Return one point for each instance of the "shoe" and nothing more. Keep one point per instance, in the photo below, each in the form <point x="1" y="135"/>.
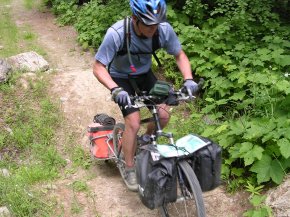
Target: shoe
<point x="130" y="179"/>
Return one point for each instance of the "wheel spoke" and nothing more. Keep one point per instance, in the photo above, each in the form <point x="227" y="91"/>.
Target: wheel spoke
<point x="189" y="202"/>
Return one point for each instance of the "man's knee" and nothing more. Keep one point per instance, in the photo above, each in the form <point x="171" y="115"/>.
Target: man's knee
<point x="132" y="122"/>
<point x="164" y="117"/>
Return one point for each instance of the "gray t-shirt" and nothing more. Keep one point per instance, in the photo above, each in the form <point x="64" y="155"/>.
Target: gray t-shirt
<point x="114" y="40"/>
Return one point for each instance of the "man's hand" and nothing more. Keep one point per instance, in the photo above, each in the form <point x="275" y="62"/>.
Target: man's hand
<point x="121" y="97"/>
<point x="190" y="86"/>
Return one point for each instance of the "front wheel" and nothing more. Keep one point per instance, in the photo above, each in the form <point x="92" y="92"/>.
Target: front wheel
<point x="189" y="195"/>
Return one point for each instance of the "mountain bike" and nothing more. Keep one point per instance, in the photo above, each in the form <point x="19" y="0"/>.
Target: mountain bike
<point x="189" y="200"/>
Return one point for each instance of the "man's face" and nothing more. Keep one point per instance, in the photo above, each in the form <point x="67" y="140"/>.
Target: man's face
<point x="147" y="31"/>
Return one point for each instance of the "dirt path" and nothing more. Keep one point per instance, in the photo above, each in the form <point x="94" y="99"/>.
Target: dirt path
<point x="82" y="97"/>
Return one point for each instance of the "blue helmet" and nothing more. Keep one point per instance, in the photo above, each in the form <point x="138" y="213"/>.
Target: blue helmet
<point x="149" y="12"/>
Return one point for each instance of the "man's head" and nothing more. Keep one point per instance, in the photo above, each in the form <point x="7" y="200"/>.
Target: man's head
<point x="149" y="12"/>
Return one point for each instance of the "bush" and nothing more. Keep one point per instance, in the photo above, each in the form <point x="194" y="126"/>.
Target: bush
<point x="95" y="18"/>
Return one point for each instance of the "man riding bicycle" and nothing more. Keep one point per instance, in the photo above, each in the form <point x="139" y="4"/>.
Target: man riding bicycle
<point x="124" y="74"/>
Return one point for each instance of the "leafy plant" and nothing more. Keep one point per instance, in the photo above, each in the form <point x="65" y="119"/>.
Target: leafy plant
<point x="254" y="190"/>
<point x="67" y="11"/>
<point x="95" y="18"/>
<point x="260" y="209"/>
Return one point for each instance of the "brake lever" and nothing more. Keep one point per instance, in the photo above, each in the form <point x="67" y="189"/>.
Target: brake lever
<point x="182" y="96"/>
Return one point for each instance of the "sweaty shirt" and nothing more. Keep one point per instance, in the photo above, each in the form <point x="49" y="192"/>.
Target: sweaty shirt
<point x="114" y="40"/>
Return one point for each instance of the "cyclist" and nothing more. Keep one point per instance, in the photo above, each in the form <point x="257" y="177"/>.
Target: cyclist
<point x="113" y="69"/>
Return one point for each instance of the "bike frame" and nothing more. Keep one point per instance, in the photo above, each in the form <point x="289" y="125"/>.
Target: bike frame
<point x="189" y="189"/>
<point x="158" y="130"/>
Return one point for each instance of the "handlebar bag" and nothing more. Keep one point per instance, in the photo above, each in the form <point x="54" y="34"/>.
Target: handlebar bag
<point x="206" y="163"/>
<point x="156" y="178"/>
<point x="160" y="88"/>
<point x="101" y="140"/>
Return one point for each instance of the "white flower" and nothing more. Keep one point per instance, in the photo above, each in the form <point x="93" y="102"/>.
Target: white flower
<point x="287" y="74"/>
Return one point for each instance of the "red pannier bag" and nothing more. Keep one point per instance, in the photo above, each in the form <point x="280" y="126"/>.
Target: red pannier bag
<point x="101" y="140"/>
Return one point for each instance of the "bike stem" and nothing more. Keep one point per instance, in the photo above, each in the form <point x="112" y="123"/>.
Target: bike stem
<point x="158" y="130"/>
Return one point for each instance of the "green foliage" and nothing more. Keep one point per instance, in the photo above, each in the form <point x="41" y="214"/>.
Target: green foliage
<point x="28" y="4"/>
<point x="80" y="186"/>
<point x="196" y="10"/>
<point x="81" y="158"/>
<point x="95" y="18"/>
<point x="256" y="144"/>
<point x="246" y="90"/>
<point x="27" y="146"/>
<point x="8" y="33"/>
<point x="22" y="200"/>
<point x="260" y="209"/>
<point x="253" y="189"/>
<point x="67" y="11"/>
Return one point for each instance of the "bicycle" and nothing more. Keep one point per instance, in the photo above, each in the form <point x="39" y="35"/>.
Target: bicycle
<point x="189" y="201"/>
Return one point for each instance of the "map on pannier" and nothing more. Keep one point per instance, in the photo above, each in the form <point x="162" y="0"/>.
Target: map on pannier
<point x="184" y="146"/>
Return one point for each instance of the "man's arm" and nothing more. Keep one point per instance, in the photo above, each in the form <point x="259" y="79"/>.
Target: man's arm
<point x="103" y="76"/>
<point x="183" y="64"/>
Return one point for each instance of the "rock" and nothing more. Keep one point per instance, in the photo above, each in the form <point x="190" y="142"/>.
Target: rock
<point x="5" y="69"/>
<point x="63" y="99"/>
<point x="9" y="130"/>
<point x="279" y="199"/>
<point x="4" y="212"/>
<point x="30" y="61"/>
<point x="5" y="172"/>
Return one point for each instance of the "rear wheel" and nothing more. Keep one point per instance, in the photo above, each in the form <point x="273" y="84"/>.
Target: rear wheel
<point x="189" y="195"/>
<point x="117" y="142"/>
<point x="117" y="137"/>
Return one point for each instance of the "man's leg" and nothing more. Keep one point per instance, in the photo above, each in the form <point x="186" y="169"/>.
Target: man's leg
<point x="163" y="112"/>
<point x="132" y="125"/>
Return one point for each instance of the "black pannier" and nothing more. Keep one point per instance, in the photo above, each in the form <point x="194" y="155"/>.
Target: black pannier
<point x="157" y="180"/>
<point x="207" y="163"/>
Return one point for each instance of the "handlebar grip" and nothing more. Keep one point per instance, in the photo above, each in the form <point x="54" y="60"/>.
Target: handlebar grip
<point x="200" y="83"/>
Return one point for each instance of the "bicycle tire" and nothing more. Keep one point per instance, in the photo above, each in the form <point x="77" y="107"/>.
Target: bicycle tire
<point x="117" y="138"/>
<point x="117" y="142"/>
<point x="191" y="206"/>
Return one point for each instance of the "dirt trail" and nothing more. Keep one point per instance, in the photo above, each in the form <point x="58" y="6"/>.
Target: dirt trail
<point x="82" y="97"/>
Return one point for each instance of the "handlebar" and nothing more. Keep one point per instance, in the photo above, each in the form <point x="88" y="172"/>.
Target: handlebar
<point x="173" y="98"/>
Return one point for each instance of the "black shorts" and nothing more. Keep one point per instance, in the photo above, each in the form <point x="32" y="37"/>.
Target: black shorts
<point x="144" y="82"/>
